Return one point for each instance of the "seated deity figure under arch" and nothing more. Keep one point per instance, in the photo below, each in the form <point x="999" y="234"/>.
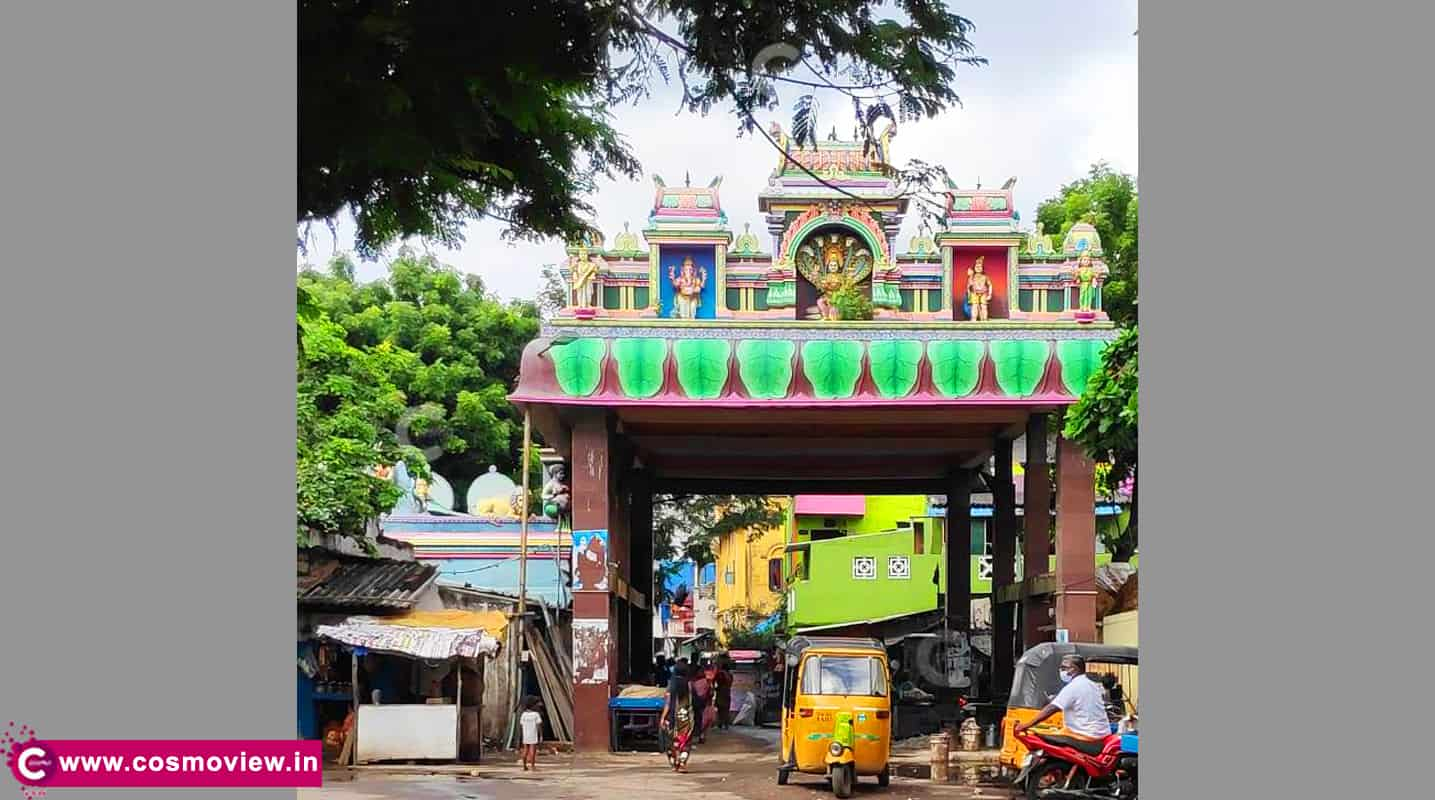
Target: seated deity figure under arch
<point x="832" y="261"/>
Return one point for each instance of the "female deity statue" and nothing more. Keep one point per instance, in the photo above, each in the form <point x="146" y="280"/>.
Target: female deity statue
<point x="1086" y="280"/>
<point x="979" y="291"/>
<point x="585" y="274"/>
<point x="688" y="289"/>
<point x="830" y="281"/>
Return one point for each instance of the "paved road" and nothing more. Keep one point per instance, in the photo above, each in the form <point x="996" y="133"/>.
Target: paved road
<point x="730" y="766"/>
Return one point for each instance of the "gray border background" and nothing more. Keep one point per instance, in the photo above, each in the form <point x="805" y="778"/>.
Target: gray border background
<point x="148" y="156"/>
<point x="1285" y="386"/>
<point x="146" y="310"/>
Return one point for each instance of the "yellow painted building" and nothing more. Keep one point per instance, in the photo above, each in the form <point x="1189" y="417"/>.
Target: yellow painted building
<point x="744" y="591"/>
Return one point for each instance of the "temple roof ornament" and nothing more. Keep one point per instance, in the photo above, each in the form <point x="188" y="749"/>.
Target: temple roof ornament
<point x="1082" y="237"/>
<point x="747" y="244"/>
<point x="1038" y="242"/>
<point x="687" y="206"/>
<point x="922" y="244"/>
<point x="627" y="242"/>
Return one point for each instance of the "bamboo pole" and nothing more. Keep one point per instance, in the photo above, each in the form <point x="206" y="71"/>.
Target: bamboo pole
<point x="523" y="518"/>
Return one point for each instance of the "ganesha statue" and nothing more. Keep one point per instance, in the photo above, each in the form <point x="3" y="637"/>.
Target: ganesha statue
<point x="687" y="289"/>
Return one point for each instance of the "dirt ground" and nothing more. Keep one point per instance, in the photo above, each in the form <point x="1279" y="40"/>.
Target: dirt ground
<point x="736" y="764"/>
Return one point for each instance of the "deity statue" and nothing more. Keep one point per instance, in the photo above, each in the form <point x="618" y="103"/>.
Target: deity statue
<point x="775" y="130"/>
<point x="1086" y="280"/>
<point x="688" y="288"/>
<point x="883" y="156"/>
<point x="832" y="262"/>
<point x="421" y="494"/>
<point x="831" y="281"/>
<point x="979" y="291"/>
<point x="556" y="498"/>
<point x="585" y="274"/>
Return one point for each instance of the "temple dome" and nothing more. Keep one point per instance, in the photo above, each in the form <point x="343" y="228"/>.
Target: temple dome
<point x="1082" y="237"/>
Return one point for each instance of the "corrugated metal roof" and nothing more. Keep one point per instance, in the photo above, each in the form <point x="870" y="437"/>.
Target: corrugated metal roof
<point x="327" y="579"/>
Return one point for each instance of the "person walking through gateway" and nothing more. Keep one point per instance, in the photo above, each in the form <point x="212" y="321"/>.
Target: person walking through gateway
<point x="722" y="693"/>
<point x="677" y="719"/>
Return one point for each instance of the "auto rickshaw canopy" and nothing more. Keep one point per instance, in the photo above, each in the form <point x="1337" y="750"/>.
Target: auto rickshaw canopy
<point x="1035" y="680"/>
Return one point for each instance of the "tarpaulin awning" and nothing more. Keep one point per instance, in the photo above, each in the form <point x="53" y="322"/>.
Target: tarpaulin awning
<point x="423" y="634"/>
<point x="491" y="622"/>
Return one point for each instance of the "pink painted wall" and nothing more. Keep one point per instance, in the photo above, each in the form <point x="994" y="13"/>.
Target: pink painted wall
<point x="831" y="505"/>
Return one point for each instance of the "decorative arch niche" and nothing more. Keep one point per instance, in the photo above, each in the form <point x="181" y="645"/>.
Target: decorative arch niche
<point x="809" y="244"/>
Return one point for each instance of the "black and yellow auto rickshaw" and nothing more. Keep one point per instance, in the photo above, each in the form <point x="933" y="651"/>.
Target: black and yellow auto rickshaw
<point x="1035" y="682"/>
<point x="836" y="711"/>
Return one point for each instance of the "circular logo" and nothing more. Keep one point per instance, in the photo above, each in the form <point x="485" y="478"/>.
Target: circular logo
<point x="33" y="763"/>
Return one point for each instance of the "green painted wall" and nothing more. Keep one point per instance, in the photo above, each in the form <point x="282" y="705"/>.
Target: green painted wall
<point x="829" y="594"/>
<point x="883" y="511"/>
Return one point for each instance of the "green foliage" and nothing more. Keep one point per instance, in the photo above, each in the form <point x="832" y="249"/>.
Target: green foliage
<point x="1109" y="200"/>
<point x="419" y="117"/>
<point x="446" y="351"/>
<point x="347" y="405"/>
<point x="851" y="302"/>
<point x="740" y="627"/>
<point x="1104" y="423"/>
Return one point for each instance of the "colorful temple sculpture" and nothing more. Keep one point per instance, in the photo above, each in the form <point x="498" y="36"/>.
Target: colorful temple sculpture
<point x="818" y="358"/>
<point x="837" y="235"/>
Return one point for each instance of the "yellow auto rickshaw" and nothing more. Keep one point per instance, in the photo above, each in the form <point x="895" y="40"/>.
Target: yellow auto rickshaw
<point x="1035" y="682"/>
<point x="836" y="711"/>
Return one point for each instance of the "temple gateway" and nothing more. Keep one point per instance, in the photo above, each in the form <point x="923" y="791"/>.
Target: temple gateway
<point x="818" y="358"/>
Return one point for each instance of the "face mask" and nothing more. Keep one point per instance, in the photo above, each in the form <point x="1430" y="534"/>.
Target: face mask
<point x="1066" y="677"/>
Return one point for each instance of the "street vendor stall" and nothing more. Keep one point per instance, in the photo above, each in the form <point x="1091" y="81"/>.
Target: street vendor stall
<point x="633" y="718"/>
<point x="420" y="715"/>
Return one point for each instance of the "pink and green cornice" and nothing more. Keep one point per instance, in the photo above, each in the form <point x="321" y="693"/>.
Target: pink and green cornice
<point x="625" y="370"/>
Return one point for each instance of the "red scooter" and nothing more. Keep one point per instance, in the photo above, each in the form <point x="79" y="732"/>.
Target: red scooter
<point x="1066" y="768"/>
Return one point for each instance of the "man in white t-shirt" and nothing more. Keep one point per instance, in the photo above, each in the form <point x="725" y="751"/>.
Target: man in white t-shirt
<point x="1080" y="701"/>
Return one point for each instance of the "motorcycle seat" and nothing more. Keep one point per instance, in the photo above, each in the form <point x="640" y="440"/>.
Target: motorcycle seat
<point x="1089" y="747"/>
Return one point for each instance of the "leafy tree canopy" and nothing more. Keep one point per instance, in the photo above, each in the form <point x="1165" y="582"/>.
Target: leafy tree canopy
<point x="1108" y="200"/>
<point x="419" y="117"/>
<point x="453" y="352"/>
<point x="347" y="406"/>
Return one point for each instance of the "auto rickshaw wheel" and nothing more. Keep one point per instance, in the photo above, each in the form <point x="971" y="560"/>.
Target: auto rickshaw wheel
<point x="884" y="778"/>
<point x="782" y="776"/>
<point x="843" y="776"/>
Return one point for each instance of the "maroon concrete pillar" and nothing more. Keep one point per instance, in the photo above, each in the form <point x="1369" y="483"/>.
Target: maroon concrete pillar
<point x="1075" y="542"/>
<point x="959" y="551"/>
<point x="1036" y="544"/>
<point x="594" y="628"/>
<point x="1003" y="568"/>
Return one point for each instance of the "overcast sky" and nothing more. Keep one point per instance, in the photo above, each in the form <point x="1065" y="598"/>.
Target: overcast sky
<point x="1058" y="94"/>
